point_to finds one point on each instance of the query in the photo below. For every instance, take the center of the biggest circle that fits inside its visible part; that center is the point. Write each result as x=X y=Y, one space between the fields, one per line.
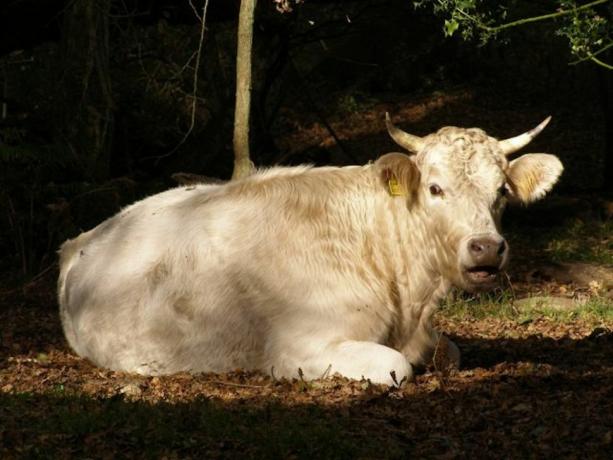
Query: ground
x=536 y=378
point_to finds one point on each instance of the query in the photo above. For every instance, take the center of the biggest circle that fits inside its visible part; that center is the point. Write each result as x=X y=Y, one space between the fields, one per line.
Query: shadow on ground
x=565 y=353
x=565 y=414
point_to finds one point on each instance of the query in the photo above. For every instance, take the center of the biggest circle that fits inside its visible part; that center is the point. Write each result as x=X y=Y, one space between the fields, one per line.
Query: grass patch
x=498 y=304
x=502 y=305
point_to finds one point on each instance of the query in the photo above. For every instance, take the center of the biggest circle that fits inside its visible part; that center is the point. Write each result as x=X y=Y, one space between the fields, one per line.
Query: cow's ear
x=399 y=174
x=531 y=176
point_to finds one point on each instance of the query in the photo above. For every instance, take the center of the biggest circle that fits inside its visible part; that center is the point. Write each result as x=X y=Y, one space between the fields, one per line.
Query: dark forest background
x=96 y=100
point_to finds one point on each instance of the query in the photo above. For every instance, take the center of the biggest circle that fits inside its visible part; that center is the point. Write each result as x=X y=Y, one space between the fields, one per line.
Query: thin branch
x=238 y=385
x=195 y=10
x=595 y=53
x=42 y=273
x=543 y=17
x=178 y=73
x=306 y=94
x=192 y=122
x=603 y=64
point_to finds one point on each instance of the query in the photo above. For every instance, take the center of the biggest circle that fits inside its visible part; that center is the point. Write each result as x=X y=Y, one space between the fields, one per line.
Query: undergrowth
x=582 y=241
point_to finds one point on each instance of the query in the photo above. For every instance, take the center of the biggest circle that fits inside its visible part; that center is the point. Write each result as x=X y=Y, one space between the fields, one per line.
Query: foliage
x=466 y=16
x=587 y=32
x=586 y=26
x=354 y=103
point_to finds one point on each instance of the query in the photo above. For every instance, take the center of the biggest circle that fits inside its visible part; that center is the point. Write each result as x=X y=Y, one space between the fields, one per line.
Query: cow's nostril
x=487 y=250
x=476 y=246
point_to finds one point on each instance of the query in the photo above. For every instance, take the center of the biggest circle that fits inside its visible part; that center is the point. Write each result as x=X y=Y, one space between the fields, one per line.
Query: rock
x=578 y=273
x=553 y=302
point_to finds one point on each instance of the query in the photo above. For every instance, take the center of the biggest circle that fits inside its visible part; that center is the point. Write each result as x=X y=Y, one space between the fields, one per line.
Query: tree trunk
x=86 y=118
x=242 y=162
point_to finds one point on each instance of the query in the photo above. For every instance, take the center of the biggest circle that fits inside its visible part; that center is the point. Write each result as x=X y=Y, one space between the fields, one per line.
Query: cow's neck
x=411 y=244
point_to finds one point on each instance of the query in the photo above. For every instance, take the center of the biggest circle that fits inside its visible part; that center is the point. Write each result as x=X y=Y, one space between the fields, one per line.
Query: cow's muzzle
x=486 y=256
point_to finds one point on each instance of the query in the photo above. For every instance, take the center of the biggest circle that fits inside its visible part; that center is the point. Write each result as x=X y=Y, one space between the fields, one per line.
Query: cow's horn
x=410 y=142
x=513 y=144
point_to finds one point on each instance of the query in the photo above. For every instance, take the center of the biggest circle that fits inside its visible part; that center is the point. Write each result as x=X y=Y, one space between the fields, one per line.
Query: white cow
x=328 y=270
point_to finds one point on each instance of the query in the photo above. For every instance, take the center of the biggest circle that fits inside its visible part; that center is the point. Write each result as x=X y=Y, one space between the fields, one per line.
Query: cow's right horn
x=410 y=142
x=513 y=144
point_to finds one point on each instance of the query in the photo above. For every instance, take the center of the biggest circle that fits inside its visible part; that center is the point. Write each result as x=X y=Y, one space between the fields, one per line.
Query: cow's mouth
x=482 y=274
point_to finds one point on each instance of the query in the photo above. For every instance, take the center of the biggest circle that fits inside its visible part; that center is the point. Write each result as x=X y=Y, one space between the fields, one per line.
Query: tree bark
x=242 y=162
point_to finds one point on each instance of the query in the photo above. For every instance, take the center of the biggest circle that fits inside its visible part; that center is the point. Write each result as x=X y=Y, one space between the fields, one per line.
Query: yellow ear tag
x=395 y=188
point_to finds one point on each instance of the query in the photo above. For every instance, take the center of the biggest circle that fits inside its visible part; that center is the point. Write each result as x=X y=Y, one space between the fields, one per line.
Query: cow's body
x=320 y=269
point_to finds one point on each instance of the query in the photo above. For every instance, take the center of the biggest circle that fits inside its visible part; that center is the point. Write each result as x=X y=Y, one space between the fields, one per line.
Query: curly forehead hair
x=466 y=143
x=451 y=134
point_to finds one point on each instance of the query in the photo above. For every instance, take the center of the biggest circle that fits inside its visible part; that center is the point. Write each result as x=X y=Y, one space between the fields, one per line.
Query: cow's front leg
x=355 y=360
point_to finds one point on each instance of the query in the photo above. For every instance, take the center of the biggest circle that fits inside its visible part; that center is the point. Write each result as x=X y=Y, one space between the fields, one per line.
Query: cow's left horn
x=410 y=142
x=513 y=144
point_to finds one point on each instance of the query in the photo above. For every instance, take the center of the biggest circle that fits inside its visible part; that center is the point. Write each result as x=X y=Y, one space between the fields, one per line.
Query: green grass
x=498 y=304
x=502 y=305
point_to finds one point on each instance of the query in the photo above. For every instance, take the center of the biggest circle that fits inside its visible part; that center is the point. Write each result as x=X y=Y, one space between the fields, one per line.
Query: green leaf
x=466 y=5
x=450 y=27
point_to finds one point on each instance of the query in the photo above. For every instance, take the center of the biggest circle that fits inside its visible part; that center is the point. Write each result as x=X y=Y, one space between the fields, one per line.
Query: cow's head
x=460 y=180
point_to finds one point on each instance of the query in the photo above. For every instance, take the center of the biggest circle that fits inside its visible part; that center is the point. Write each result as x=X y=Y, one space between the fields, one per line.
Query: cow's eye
x=435 y=190
x=502 y=191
